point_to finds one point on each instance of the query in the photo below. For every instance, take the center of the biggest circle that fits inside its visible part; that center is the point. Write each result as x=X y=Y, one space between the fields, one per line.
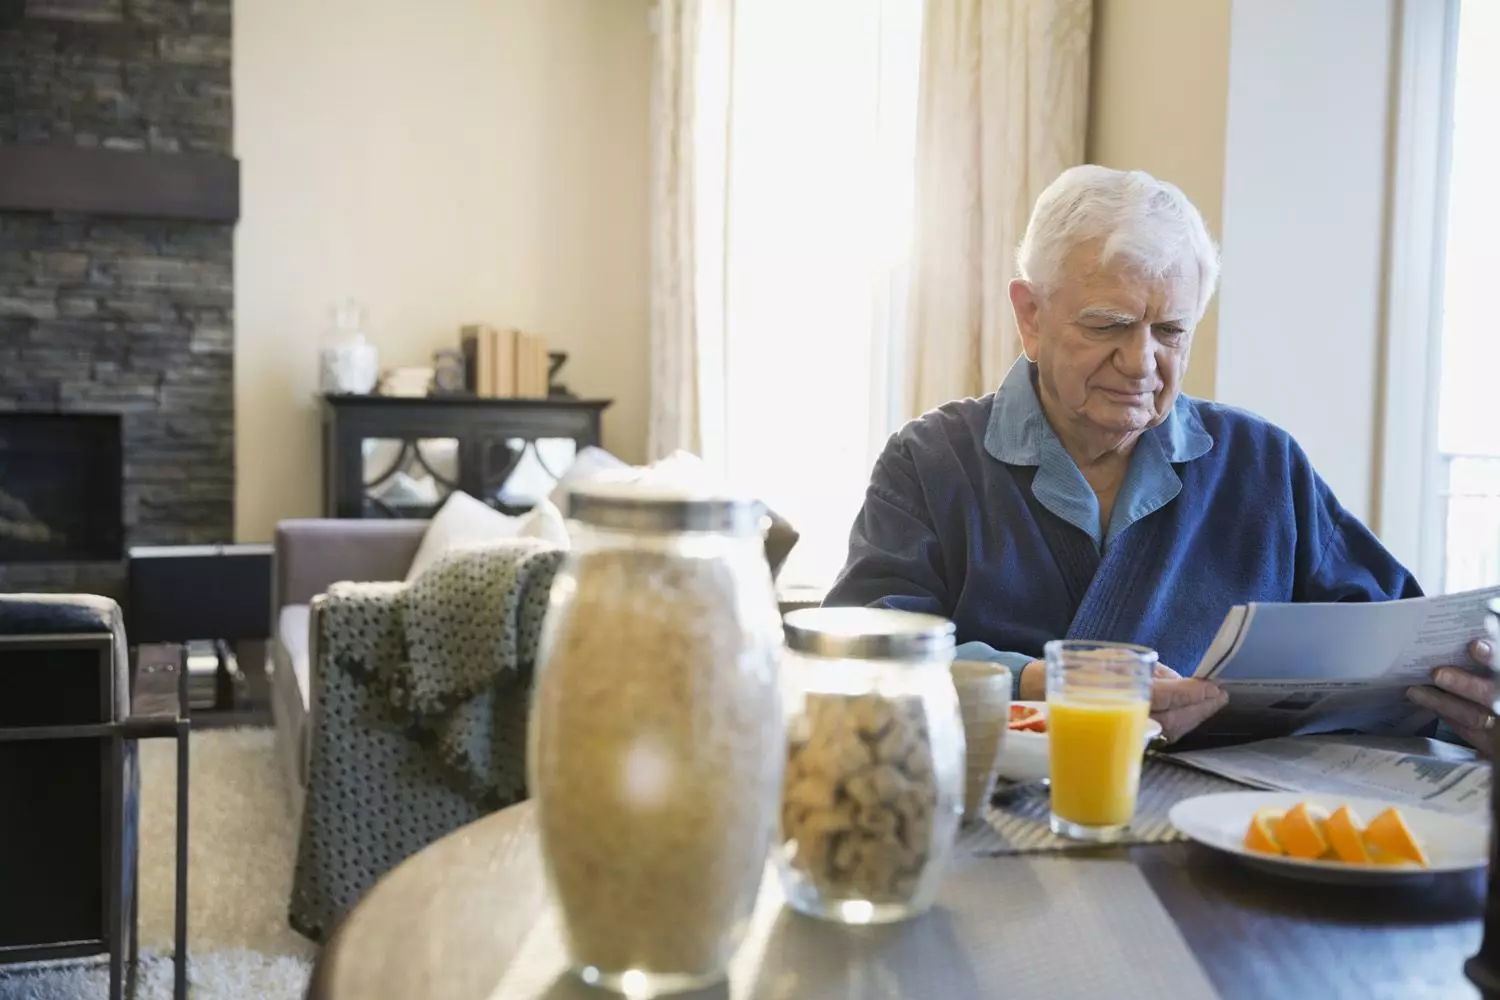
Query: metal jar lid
x=628 y=507
x=868 y=633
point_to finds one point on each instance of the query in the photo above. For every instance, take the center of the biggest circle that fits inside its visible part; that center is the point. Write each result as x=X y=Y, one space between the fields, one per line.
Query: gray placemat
x=1017 y=824
x=1012 y=928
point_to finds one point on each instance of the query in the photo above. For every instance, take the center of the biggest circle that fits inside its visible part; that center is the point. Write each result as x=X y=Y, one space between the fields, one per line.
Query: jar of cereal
x=656 y=734
x=874 y=784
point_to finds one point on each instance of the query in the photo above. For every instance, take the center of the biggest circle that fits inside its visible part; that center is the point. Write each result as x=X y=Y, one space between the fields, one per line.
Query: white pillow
x=684 y=471
x=591 y=463
x=546 y=522
x=462 y=522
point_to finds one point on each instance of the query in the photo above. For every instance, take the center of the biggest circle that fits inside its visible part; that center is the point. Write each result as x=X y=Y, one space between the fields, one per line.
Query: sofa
x=309 y=555
x=365 y=790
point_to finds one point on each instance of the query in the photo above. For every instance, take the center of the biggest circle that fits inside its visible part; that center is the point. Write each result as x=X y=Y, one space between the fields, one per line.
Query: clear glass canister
x=348 y=364
x=874 y=783
x=656 y=735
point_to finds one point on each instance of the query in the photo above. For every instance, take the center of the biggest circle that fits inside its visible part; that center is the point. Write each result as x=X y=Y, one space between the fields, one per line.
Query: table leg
x=180 y=956
x=117 y=820
x=133 y=959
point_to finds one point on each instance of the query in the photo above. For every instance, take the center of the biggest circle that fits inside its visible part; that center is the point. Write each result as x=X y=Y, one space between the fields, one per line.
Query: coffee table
x=454 y=921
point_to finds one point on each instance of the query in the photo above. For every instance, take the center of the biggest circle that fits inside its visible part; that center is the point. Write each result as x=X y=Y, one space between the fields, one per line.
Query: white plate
x=1023 y=756
x=1453 y=843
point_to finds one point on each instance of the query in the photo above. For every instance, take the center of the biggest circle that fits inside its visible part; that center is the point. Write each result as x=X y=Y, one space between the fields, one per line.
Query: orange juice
x=1096 y=742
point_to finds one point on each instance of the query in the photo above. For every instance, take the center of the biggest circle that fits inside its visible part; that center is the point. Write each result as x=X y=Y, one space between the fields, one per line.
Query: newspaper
x=1315 y=668
x=1401 y=771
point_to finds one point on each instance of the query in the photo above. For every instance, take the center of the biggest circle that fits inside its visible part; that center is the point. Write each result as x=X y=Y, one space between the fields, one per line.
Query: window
x=821 y=156
x=1468 y=433
x=1439 y=503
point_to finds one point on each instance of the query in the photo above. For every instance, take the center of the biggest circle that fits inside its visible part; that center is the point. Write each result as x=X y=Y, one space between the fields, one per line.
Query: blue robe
x=976 y=512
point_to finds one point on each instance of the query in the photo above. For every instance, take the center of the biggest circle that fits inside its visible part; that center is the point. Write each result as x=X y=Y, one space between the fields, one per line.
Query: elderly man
x=1088 y=498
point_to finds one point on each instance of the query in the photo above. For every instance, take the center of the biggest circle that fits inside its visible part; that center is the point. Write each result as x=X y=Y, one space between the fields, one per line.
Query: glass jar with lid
x=348 y=364
x=656 y=734
x=874 y=782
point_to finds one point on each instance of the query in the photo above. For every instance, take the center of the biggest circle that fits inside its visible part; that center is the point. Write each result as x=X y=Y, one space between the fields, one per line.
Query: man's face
x=1111 y=346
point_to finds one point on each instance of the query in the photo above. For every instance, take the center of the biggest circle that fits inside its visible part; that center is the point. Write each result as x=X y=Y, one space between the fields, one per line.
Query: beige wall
x=443 y=163
x=1306 y=184
x=1158 y=97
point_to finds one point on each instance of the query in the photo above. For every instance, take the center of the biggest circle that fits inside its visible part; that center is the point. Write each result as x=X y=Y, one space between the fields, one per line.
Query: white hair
x=1149 y=222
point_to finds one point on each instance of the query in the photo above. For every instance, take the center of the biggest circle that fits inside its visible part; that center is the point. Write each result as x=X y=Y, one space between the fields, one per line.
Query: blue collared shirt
x=1019 y=434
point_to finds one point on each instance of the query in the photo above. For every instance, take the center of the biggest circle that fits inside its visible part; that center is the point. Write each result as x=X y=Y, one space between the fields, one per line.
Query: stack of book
x=505 y=363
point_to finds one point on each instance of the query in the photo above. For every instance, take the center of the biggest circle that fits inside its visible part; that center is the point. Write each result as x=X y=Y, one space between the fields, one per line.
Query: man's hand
x=1463 y=699
x=1033 y=686
x=1179 y=704
x=1182 y=704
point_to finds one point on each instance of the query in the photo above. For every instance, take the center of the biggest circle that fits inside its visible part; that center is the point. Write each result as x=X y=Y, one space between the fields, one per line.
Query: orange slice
x=1261 y=836
x=1389 y=835
x=1345 y=834
x=1380 y=856
x=1300 y=832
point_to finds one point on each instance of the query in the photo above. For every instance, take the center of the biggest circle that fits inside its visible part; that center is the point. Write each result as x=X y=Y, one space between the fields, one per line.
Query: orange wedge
x=1380 y=856
x=1300 y=832
x=1345 y=834
x=1261 y=836
x=1388 y=835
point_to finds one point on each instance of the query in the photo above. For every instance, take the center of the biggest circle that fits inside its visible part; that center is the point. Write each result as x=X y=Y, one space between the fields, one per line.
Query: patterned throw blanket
x=451 y=655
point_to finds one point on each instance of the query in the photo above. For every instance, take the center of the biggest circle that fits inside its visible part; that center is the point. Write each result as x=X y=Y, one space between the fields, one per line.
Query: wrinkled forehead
x=1088 y=280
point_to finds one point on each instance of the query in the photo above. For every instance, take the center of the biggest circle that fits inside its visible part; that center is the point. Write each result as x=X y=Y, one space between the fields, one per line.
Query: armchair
x=75 y=707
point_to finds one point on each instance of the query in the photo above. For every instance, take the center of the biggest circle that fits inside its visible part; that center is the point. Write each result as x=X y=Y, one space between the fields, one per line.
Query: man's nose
x=1136 y=357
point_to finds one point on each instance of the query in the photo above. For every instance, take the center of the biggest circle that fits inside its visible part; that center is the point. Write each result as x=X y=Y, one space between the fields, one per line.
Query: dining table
x=471 y=917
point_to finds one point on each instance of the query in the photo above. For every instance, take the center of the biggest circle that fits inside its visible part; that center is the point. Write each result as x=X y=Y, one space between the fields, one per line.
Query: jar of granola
x=656 y=734
x=874 y=783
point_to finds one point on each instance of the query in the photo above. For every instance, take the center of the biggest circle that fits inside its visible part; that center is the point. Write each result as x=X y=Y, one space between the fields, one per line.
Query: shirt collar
x=1018 y=434
x=1018 y=429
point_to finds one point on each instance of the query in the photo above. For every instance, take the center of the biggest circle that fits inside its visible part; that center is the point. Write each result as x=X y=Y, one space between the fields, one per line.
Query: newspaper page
x=1294 y=669
x=1355 y=766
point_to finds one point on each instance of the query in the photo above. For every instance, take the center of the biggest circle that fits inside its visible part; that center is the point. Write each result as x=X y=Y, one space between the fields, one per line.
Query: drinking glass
x=1098 y=701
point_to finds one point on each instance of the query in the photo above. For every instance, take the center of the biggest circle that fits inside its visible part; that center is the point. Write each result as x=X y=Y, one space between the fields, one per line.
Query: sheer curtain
x=817 y=233
x=689 y=140
x=1004 y=111
x=786 y=343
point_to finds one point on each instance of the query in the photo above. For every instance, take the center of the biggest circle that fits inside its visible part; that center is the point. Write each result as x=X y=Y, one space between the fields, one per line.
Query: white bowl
x=1023 y=756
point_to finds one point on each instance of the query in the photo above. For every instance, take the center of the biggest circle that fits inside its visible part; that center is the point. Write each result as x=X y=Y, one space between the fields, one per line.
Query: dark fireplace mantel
x=66 y=178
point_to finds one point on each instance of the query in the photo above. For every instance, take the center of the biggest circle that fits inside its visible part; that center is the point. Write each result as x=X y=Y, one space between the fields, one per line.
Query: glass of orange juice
x=1098 y=701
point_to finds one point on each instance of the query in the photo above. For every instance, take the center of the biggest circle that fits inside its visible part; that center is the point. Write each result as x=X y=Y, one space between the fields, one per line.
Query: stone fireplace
x=116 y=287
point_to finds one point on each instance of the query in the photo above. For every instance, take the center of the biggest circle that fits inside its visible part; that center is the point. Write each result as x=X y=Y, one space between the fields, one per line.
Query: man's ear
x=1024 y=301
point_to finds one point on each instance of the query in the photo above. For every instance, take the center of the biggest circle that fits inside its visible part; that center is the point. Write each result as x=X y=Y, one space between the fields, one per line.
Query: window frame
x=1411 y=477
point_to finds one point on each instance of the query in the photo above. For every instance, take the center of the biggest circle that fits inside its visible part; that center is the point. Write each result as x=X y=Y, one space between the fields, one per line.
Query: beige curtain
x=1003 y=111
x=689 y=130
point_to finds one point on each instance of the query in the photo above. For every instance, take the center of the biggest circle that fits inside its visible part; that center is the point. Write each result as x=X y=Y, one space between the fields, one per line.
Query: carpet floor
x=241 y=849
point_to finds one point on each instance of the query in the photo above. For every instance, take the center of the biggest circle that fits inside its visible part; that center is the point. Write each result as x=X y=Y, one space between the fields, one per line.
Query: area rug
x=241 y=847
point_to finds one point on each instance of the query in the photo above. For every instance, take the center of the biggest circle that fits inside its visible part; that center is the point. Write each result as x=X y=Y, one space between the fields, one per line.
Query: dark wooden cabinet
x=442 y=443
